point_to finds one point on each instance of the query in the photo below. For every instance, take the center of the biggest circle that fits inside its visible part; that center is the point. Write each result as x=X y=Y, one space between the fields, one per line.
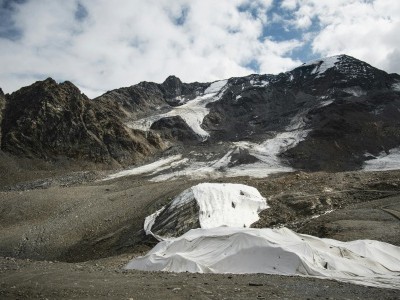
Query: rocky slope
x=50 y=120
x=2 y=105
x=331 y=114
x=350 y=107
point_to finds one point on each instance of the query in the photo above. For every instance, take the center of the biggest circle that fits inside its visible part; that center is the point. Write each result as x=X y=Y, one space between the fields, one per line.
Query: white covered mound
x=224 y=244
x=274 y=251
x=220 y=204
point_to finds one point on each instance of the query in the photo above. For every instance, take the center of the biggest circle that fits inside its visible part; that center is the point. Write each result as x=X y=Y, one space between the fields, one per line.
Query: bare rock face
x=176 y=92
x=49 y=120
x=135 y=101
x=346 y=130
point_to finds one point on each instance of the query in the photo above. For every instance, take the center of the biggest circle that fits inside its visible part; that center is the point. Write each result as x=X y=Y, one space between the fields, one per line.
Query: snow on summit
x=322 y=65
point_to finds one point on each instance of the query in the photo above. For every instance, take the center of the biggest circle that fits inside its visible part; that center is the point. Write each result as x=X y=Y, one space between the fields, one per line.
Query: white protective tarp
x=220 y=204
x=275 y=251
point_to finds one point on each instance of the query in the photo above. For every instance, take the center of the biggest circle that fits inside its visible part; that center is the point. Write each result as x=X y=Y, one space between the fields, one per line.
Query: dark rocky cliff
x=50 y=120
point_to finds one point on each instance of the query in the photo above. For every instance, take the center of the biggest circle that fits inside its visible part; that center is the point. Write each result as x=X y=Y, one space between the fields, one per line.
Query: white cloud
x=124 y=42
x=289 y=4
x=367 y=30
x=119 y=43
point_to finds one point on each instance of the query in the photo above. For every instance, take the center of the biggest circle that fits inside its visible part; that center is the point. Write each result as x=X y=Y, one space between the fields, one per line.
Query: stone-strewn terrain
x=85 y=222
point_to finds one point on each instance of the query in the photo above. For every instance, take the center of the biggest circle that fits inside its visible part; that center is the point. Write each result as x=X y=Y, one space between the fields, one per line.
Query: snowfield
x=223 y=245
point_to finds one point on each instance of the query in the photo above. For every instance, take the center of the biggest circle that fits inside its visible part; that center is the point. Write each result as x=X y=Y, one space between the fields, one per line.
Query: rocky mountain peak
x=172 y=86
x=329 y=102
x=172 y=80
x=48 y=120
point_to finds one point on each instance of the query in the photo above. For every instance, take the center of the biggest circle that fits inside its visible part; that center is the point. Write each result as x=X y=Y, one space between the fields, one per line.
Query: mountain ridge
x=336 y=109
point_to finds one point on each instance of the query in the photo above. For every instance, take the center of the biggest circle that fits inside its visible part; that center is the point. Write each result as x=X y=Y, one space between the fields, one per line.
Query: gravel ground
x=102 y=280
x=78 y=235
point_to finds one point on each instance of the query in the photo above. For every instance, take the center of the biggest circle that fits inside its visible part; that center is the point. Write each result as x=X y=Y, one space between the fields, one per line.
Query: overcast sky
x=101 y=44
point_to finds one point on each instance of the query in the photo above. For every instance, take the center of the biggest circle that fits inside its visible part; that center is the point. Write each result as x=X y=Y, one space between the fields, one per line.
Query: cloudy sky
x=100 y=44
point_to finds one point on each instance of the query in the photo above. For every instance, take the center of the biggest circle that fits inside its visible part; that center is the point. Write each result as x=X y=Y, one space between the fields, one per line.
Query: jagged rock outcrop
x=50 y=120
x=177 y=93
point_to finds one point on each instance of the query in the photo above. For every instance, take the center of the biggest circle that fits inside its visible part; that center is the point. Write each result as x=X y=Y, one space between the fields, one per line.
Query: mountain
x=330 y=114
x=49 y=120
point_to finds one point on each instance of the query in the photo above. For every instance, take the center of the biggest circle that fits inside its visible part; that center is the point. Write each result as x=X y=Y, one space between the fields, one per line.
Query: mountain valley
x=79 y=176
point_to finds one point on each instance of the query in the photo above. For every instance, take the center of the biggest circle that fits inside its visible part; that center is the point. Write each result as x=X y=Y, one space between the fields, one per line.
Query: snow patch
x=321 y=66
x=215 y=87
x=384 y=162
x=259 y=83
x=275 y=251
x=157 y=165
x=396 y=86
x=268 y=151
x=356 y=91
x=325 y=103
